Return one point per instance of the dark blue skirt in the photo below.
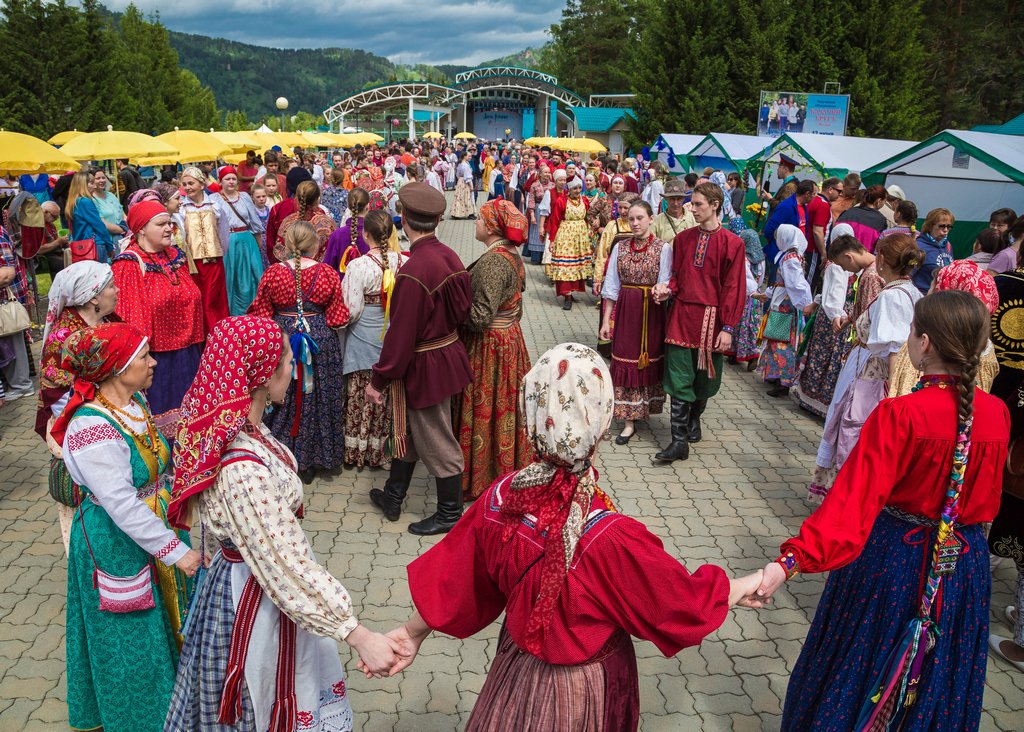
(864, 610)
(321, 435)
(172, 377)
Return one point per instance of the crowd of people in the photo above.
(217, 338)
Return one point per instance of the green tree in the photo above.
(590, 46)
(236, 120)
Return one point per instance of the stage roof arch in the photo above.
(383, 97)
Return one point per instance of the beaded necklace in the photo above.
(150, 440)
(640, 249)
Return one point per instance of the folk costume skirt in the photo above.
(462, 206)
(243, 268)
(526, 694)
(172, 377)
(825, 356)
(320, 429)
(862, 613)
(491, 432)
(638, 341)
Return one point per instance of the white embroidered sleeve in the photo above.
(249, 506)
(98, 457)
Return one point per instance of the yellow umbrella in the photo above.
(237, 141)
(23, 154)
(192, 146)
(432, 136)
(465, 136)
(63, 137)
(116, 144)
(579, 144)
(539, 141)
(323, 139)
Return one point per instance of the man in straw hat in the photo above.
(424, 363)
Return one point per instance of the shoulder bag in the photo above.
(13, 315)
(120, 594)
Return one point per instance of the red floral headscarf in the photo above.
(502, 218)
(240, 356)
(969, 277)
(92, 356)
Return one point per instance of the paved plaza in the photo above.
(733, 502)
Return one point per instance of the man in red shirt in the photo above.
(424, 363)
(819, 213)
(247, 171)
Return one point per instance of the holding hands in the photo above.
(387, 655)
(660, 292)
(376, 653)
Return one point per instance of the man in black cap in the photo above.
(424, 363)
(787, 188)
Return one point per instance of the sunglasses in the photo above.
(944, 226)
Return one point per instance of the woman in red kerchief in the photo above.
(488, 425)
(261, 648)
(122, 644)
(574, 578)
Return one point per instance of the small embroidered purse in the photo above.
(120, 594)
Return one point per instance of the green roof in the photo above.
(599, 119)
(1014, 127)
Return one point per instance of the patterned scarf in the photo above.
(240, 356)
(567, 399)
(503, 219)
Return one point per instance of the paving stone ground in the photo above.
(732, 503)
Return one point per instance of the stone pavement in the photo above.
(735, 500)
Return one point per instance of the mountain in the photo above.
(250, 78)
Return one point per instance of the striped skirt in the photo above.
(862, 613)
(525, 694)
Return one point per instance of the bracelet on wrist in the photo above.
(789, 563)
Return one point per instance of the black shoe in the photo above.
(624, 439)
(449, 508)
(731, 361)
(693, 431)
(390, 499)
(679, 449)
(308, 475)
(778, 391)
(567, 305)
(752, 365)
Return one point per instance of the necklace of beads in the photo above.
(150, 439)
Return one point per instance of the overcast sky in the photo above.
(406, 31)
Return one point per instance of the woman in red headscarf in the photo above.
(489, 428)
(157, 296)
(260, 652)
(574, 577)
(122, 639)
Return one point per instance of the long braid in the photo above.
(302, 207)
(968, 374)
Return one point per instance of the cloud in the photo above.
(464, 32)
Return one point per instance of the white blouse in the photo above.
(364, 276)
(253, 506)
(98, 457)
(835, 284)
(891, 314)
(795, 286)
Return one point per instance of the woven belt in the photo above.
(505, 319)
(238, 229)
(398, 416)
(231, 554)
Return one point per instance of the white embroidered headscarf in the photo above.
(789, 237)
(75, 285)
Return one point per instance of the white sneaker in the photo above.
(995, 641)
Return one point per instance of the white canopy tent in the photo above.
(671, 150)
(726, 152)
(970, 173)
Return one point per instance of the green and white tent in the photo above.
(970, 173)
(671, 149)
(726, 152)
(826, 156)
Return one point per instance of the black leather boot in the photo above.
(449, 508)
(693, 433)
(390, 499)
(679, 448)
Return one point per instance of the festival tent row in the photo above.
(971, 173)
(725, 151)
(827, 156)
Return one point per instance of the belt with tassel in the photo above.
(645, 357)
(400, 442)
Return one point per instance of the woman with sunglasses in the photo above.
(934, 242)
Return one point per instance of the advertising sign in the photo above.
(818, 114)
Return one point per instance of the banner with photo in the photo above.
(818, 114)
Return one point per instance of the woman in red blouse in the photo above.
(157, 296)
(877, 530)
(304, 298)
(575, 578)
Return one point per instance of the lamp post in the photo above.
(282, 104)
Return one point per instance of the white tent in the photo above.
(671, 149)
(970, 173)
(725, 151)
(824, 156)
